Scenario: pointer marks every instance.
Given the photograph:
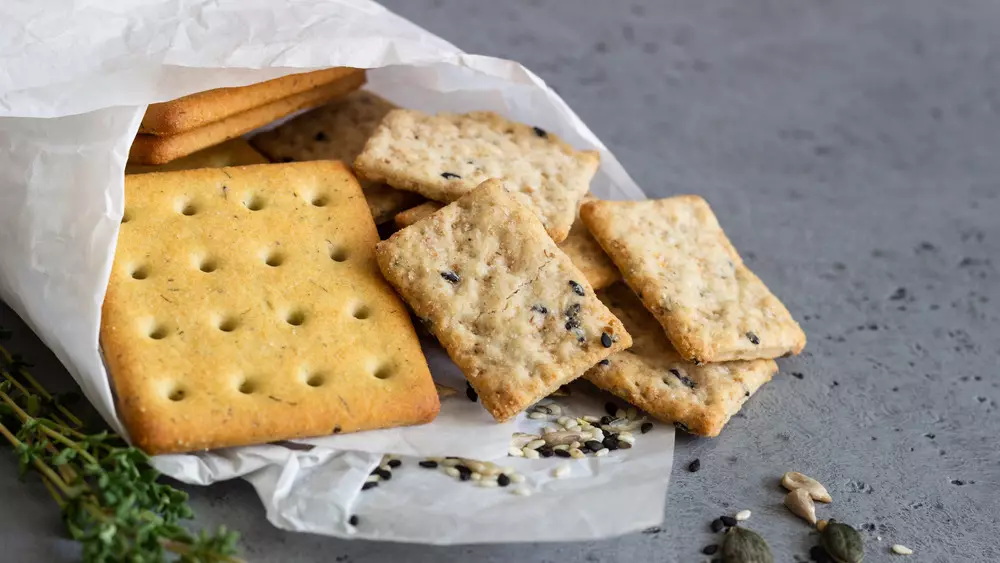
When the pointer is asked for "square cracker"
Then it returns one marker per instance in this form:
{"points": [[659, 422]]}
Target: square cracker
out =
{"points": [[153, 149], [201, 108], [235, 152], [654, 377], [338, 131], [581, 248], [245, 306], [677, 259], [510, 308], [445, 156]]}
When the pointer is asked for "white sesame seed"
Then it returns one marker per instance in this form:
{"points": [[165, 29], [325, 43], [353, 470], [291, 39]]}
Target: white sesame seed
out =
{"points": [[602, 452], [437, 459], [475, 476], [384, 467], [561, 447], [492, 470], [508, 470], [450, 462], [538, 416], [878, 538], [597, 435], [530, 454], [586, 436], [451, 471], [620, 413], [626, 437], [574, 444], [561, 471], [575, 453], [522, 492], [487, 484], [563, 420], [592, 419], [371, 479], [632, 413], [515, 477], [515, 452], [571, 424], [550, 429], [743, 515], [901, 550], [555, 409], [534, 444], [475, 466]]}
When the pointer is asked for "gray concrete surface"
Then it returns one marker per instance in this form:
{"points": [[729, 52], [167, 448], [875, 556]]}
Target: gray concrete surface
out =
{"points": [[851, 151]]}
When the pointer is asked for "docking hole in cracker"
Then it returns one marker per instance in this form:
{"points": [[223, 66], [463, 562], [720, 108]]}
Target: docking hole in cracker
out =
{"points": [[245, 306]]}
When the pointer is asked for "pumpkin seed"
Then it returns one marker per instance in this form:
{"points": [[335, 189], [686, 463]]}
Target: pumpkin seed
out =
{"points": [[843, 543], [795, 480], [801, 505], [744, 546]]}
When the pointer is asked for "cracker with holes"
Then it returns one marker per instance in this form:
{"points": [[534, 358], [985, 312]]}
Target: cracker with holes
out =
{"points": [[510, 308], [245, 306], [235, 152], [654, 377], [338, 131], [675, 256], [581, 248], [445, 156]]}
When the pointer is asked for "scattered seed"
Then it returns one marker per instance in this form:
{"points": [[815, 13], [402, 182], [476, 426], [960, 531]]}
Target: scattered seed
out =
{"points": [[576, 454], [555, 409], [574, 445], [626, 437], [646, 427], [471, 393], [728, 521], [611, 442], [487, 484], [801, 505], [540, 132], [710, 549], [743, 515], [531, 454], [428, 464], [515, 452], [546, 451], [522, 491], [901, 550], [820, 525], [717, 525], [606, 340], [384, 474], [503, 480], [620, 414], [577, 288], [534, 444], [602, 452], [394, 463], [561, 471], [515, 477], [591, 419], [793, 480], [354, 520], [452, 472], [561, 453], [538, 416], [450, 462], [449, 175], [369, 485], [753, 338], [605, 362], [594, 445], [694, 466]]}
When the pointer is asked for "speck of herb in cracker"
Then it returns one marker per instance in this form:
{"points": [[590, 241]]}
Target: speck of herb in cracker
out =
{"points": [[605, 362], [540, 309], [540, 132], [606, 340], [753, 338], [450, 175], [450, 276], [321, 136], [577, 288]]}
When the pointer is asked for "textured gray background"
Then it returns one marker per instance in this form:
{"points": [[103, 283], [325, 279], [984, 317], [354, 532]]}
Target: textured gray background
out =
{"points": [[849, 149]]}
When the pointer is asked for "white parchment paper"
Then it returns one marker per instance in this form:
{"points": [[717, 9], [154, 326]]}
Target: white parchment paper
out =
{"points": [[75, 79]]}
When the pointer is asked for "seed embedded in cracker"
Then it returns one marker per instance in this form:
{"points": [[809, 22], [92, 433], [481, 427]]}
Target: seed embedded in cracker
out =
{"points": [[505, 264], [201, 357], [680, 263]]}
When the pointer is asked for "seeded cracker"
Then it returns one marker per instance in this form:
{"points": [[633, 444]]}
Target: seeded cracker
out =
{"points": [[338, 131], [444, 157], [509, 307], [676, 257], [581, 248], [236, 152], [245, 306], [652, 375]]}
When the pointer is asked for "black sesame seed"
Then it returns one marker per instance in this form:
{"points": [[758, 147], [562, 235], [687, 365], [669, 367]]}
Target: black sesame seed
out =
{"points": [[606, 420], [336, 430], [545, 451], [573, 310], [540, 309], [572, 323], [394, 463], [710, 549], [577, 288], [561, 453], [694, 467], [374, 471], [728, 521], [471, 393], [611, 442], [676, 373], [321, 136], [428, 464], [682, 426], [540, 132], [450, 276], [384, 474], [369, 485], [463, 469], [753, 338], [354, 520], [449, 175], [611, 409], [605, 340], [624, 446], [717, 525], [605, 362], [594, 445], [503, 480], [646, 427]]}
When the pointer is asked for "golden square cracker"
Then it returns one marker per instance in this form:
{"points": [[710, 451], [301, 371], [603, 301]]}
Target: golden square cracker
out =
{"points": [[153, 149], [675, 256], [581, 248], [445, 156], [338, 131], [201, 108], [654, 377], [510, 308], [235, 152], [245, 306]]}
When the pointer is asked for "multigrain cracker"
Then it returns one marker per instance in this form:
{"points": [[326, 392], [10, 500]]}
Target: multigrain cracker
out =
{"points": [[654, 377], [236, 152], [676, 257], [153, 149], [201, 108], [509, 307], [245, 306], [581, 248], [338, 131], [445, 156]]}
